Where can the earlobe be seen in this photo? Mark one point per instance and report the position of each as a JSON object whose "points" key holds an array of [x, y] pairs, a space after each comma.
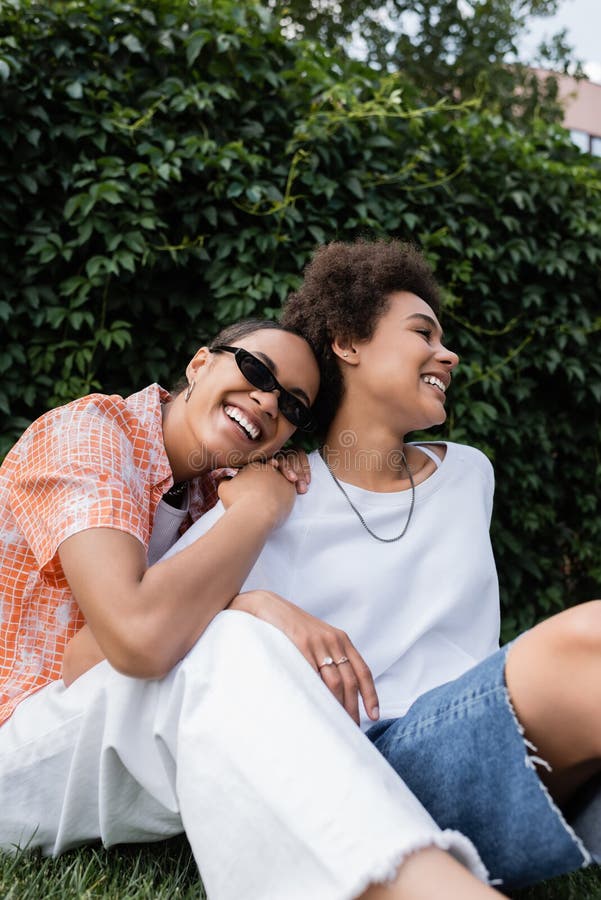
{"points": [[346, 350]]}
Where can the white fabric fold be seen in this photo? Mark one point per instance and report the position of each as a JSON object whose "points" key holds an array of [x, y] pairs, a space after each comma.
{"points": [[242, 747]]}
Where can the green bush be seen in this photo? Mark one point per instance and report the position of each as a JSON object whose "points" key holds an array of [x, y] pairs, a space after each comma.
{"points": [[167, 167]]}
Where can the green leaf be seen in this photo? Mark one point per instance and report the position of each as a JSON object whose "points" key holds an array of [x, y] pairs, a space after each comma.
{"points": [[317, 233], [354, 185], [111, 197], [33, 136], [126, 259], [71, 205], [135, 241], [84, 232], [75, 90], [48, 253], [234, 189], [195, 43], [132, 43], [76, 319], [55, 316], [72, 285], [95, 265], [28, 182], [113, 241]]}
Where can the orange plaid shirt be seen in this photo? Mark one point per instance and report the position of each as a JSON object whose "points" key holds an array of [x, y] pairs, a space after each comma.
{"points": [[98, 462]]}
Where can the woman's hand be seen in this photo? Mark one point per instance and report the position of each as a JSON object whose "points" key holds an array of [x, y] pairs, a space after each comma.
{"points": [[294, 465], [347, 675], [261, 484]]}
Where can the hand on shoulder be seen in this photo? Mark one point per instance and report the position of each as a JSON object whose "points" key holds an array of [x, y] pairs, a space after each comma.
{"points": [[262, 485]]}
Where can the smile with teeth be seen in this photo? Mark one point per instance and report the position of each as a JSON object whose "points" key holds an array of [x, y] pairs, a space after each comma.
{"points": [[238, 416], [432, 379]]}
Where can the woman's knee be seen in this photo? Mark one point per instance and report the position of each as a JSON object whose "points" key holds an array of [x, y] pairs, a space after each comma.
{"points": [[575, 631], [556, 649], [235, 639], [552, 675], [237, 628]]}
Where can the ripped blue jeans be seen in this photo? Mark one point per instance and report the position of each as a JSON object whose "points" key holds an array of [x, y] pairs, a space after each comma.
{"points": [[461, 751]]}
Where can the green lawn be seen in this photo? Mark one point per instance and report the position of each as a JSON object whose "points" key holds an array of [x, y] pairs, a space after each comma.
{"points": [[166, 871], [584, 885], [151, 872]]}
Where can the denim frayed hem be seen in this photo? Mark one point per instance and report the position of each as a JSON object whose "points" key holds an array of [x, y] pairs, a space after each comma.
{"points": [[462, 751], [531, 761]]}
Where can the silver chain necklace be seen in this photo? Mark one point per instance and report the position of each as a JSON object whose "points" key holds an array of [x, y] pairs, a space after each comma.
{"points": [[377, 537]]}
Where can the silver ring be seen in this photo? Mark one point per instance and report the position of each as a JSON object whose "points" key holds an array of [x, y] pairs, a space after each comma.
{"points": [[327, 661], [342, 659]]}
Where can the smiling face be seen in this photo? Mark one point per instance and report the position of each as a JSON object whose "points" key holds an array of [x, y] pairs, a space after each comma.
{"points": [[229, 422], [399, 376]]}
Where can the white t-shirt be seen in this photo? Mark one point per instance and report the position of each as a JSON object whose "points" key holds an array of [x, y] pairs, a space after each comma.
{"points": [[165, 530], [420, 611]]}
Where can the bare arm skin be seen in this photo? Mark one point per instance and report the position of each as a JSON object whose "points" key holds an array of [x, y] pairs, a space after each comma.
{"points": [[81, 653], [145, 619]]}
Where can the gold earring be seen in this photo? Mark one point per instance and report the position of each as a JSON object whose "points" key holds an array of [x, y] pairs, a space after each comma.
{"points": [[188, 393]]}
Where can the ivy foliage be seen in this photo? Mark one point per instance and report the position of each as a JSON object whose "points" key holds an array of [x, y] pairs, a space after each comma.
{"points": [[450, 48], [168, 167]]}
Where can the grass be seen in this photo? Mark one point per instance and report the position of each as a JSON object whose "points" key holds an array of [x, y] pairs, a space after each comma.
{"points": [[164, 871], [585, 885], [167, 871]]}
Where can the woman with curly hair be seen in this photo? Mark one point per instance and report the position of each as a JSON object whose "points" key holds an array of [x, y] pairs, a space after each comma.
{"points": [[386, 565], [199, 719]]}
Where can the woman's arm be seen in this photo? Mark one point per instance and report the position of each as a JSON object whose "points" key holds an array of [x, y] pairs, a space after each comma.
{"points": [[145, 619], [81, 653]]}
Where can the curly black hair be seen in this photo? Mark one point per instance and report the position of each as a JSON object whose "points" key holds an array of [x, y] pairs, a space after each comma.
{"points": [[345, 290]]}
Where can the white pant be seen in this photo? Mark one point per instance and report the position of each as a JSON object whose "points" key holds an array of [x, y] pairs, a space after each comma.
{"points": [[242, 747]]}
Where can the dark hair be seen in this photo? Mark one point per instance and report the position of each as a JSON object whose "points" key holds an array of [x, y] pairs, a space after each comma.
{"points": [[345, 290], [248, 326], [232, 333]]}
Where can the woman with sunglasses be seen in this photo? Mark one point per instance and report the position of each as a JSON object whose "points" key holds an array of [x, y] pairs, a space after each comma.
{"points": [[198, 719], [390, 549]]}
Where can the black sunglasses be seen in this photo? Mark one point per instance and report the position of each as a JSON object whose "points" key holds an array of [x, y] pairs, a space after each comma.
{"points": [[260, 376]]}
